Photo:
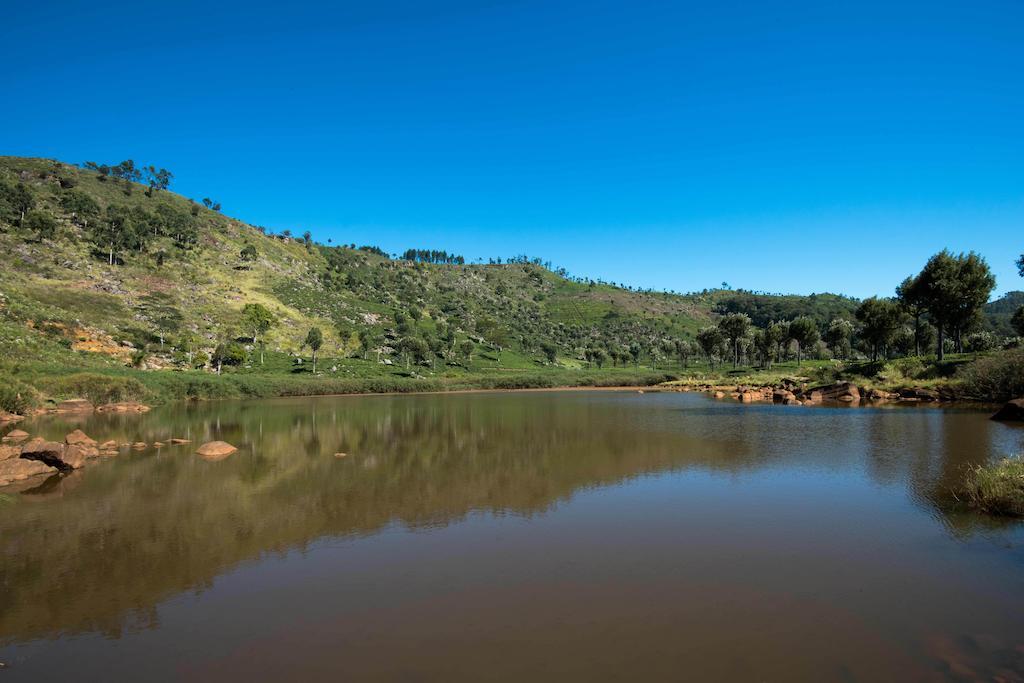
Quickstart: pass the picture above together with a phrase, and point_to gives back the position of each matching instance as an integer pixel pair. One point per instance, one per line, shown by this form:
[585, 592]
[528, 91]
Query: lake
[571, 536]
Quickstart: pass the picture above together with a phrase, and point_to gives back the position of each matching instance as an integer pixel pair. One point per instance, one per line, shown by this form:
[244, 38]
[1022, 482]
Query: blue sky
[789, 146]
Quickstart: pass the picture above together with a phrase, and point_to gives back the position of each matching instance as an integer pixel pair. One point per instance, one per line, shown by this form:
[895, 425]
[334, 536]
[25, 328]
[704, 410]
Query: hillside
[103, 272]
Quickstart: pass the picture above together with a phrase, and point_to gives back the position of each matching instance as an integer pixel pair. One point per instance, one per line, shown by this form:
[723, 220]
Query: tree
[81, 206]
[804, 331]
[954, 289]
[368, 340]
[466, 348]
[777, 333]
[314, 340]
[413, 348]
[159, 179]
[20, 200]
[634, 351]
[838, 336]
[911, 296]
[765, 347]
[734, 326]
[550, 351]
[259, 319]
[228, 353]
[42, 224]
[684, 349]
[1018, 320]
[710, 340]
[115, 232]
[879, 319]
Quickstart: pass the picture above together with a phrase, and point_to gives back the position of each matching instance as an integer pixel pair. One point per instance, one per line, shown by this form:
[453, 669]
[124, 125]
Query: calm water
[534, 536]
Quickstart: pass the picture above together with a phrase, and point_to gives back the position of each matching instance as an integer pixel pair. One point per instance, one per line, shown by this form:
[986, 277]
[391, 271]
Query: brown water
[539, 536]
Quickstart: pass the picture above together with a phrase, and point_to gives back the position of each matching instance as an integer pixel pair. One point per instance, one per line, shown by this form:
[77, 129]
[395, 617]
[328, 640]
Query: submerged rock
[17, 469]
[1012, 411]
[123, 407]
[15, 435]
[216, 450]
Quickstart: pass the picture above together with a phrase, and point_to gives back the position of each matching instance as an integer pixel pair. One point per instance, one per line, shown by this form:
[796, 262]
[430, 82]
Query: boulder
[177, 442]
[15, 435]
[79, 437]
[719, 394]
[341, 455]
[108, 445]
[879, 395]
[216, 450]
[846, 392]
[9, 417]
[7, 452]
[139, 445]
[1011, 411]
[17, 469]
[793, 402]
[782, 395]
[919, 394]
[54, 454]
[75, 405]
[75, 455]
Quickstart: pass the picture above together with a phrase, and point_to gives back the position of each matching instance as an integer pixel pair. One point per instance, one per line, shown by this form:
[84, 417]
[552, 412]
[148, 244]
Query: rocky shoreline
[794, 393]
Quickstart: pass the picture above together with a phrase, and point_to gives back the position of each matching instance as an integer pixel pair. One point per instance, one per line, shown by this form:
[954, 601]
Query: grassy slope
[58, 295]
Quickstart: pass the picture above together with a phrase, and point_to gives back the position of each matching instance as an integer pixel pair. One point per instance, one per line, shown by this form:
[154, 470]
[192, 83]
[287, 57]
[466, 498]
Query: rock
[1011, 411]
[341, 455]
[793, 402]
[719, 394]
[158, 444]
[7, 452]
[840, 391]
[782, 395]
[78, 437]
[76, 454]
[177, 442]
[919, 394]
[139, 445]
[9, 417]
[216, 450]
[15, 435]
[55, 454]
[17, 469]
[108, 446]
[123, 407]
[75, 405]
[748, 397]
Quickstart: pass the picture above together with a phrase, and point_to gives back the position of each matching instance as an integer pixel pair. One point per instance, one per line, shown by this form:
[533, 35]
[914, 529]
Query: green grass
[997, 488]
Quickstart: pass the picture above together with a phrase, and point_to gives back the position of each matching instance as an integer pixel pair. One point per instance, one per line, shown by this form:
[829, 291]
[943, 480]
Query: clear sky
[779, 146]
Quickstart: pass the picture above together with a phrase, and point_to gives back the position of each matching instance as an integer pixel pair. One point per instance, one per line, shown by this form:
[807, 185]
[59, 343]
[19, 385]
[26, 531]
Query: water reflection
[97, 551]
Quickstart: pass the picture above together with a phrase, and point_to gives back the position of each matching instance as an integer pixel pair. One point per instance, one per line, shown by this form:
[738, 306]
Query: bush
[17, 397]
[998, 377]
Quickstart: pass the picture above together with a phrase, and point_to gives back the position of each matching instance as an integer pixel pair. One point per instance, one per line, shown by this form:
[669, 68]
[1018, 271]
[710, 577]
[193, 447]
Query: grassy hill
[174, 289]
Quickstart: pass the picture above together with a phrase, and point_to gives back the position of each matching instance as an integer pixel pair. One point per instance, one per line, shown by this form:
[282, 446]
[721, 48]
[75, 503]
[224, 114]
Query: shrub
[997, 488]
[998, 377]
[17, 397]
